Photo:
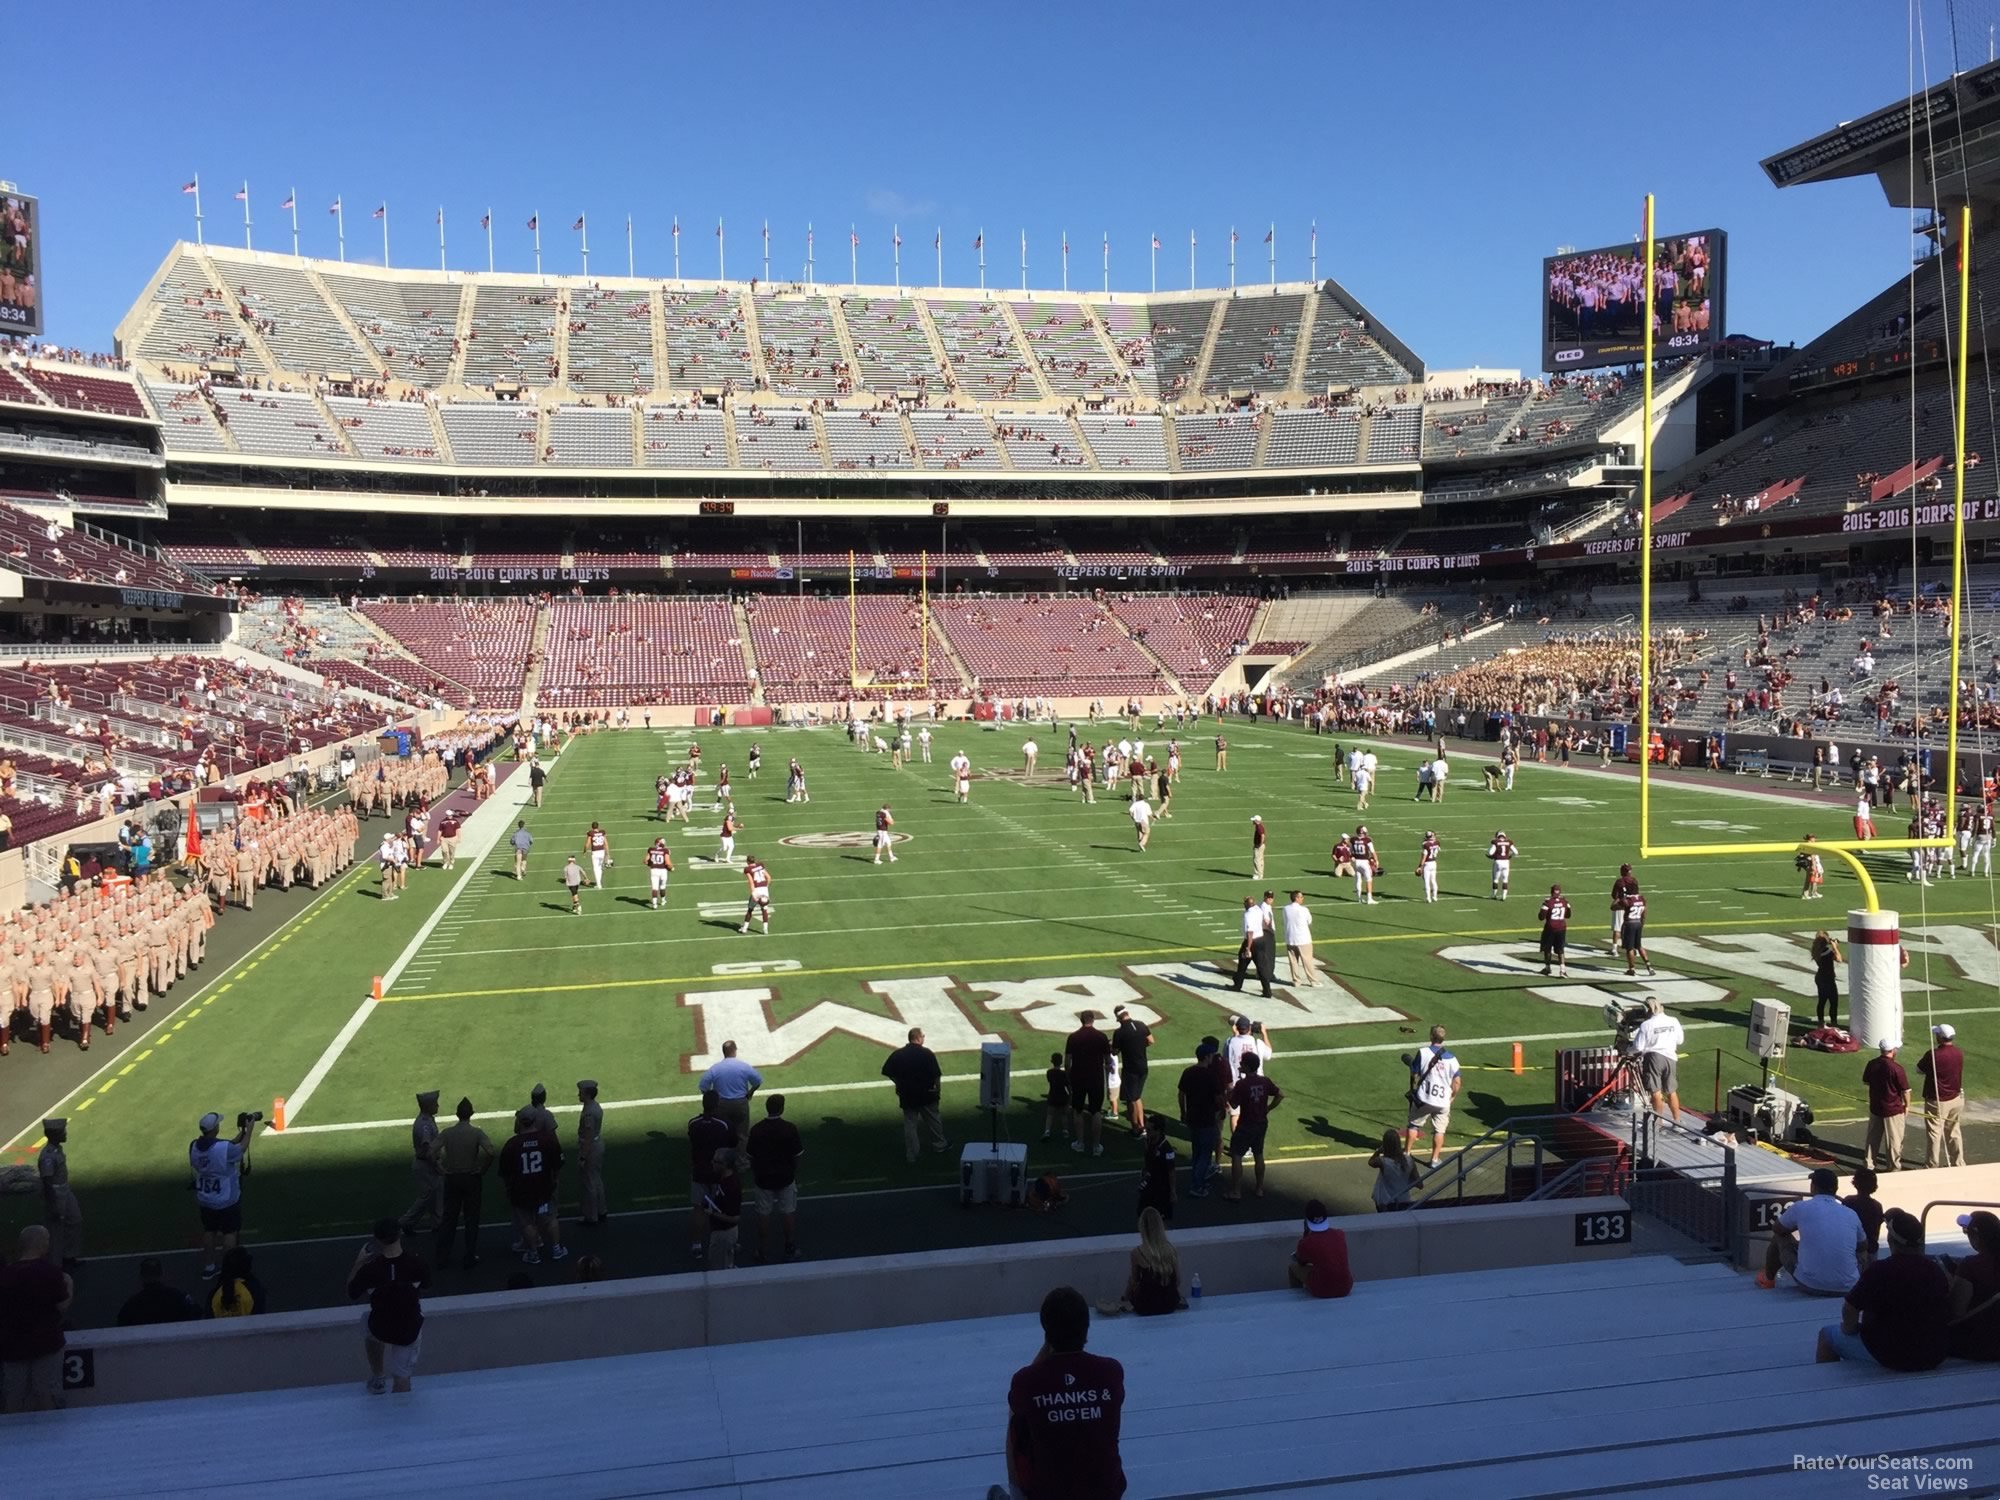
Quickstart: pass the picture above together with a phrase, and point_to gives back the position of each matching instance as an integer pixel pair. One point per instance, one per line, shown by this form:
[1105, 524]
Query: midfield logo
[855, 840]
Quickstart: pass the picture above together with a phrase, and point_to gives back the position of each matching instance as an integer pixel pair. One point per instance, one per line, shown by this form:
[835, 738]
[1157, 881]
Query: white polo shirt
[1253, 921]
[1298, 924]
[1142, 812]
[1661, 1035]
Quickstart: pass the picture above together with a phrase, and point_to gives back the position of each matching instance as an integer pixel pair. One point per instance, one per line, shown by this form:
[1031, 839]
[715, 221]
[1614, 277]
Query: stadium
[921, 676]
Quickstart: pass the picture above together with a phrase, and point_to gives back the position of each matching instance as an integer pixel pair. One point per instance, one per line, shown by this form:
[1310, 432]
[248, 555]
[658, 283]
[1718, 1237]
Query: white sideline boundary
[475, 856]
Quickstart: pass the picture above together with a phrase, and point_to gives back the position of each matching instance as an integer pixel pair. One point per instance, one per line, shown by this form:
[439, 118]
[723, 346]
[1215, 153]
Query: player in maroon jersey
[659, 865]
[1633, 936]
[1622, 889]
[884, 841]
[1555, 932]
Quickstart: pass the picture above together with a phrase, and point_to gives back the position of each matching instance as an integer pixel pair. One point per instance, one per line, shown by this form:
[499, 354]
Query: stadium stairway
[1021, 341]
[1159, 663]
[1302, 350]
[844, 336]
[744, 632]
[377, 366]
[455, 372]
[1681, 1380]
[1198, 377]
[538, 653]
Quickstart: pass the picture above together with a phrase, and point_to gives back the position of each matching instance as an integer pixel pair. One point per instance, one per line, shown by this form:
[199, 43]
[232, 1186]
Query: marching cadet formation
[313, 847]
[94, 955]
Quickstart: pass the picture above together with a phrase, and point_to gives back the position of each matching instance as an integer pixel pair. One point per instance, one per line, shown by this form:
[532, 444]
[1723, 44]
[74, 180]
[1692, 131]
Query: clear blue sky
[1443, 149]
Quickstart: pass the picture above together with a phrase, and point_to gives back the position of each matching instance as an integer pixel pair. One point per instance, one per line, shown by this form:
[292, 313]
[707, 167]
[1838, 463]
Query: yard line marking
[295, 1102]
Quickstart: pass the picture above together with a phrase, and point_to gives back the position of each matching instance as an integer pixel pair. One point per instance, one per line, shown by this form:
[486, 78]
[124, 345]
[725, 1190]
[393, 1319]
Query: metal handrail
[1503, 1137]
[1923, 1218]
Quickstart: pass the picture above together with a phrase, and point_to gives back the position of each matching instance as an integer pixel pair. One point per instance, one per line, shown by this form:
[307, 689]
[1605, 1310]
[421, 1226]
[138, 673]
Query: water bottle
[1194, 1293]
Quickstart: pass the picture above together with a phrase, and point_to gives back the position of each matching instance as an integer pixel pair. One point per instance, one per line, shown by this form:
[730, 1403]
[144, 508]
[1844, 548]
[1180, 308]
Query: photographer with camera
[218, 1168]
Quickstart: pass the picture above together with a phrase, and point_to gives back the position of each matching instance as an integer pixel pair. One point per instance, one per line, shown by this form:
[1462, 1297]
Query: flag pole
[809, 253]
[1065, 260]
[1190, 260]
[1314, 263]
[1107, 263]
[721, 252]
[246, 213]
[896, 253]
[535, 223]
[340, 227]
[488, 222]
[385, 234]
[1271, 239]
[937, 244]
[767, 251]
[293, 200]
[982, 259]
[583, 225]
[1024, 260]
[1232, 257]
[440, 236]
[1155, 279]
[630, 263]
[197, 210]
[853, 256]
[677, 247]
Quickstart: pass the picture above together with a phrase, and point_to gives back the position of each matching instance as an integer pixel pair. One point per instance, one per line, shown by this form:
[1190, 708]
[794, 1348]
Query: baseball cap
[1256, 817]
[1316, 1217]
[1943, 1031]
[210, 1123]
[1986, 1222]
[1887, 1044]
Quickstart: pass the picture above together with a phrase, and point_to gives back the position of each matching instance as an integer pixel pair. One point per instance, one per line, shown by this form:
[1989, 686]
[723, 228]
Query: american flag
[381, 212]
[333, 207]
[291, 201]
[1267, 236]
[579, 222]
[534, 221]
[1156, 242]
[979, 242]
[241, 195]
[486, 221]
[191, 187]
[853, 238]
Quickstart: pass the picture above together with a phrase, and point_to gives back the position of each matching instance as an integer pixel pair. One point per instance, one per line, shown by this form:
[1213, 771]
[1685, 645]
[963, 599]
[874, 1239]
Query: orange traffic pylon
[278, 1113]
[1517, 1059]
[376, 993]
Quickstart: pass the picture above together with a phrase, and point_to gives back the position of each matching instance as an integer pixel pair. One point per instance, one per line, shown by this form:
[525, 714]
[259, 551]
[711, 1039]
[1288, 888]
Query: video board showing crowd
[20, 265]
[1594, 301]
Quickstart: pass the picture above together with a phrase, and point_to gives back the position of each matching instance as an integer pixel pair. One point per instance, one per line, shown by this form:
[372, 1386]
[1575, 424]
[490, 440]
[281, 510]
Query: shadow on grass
[1325, 1129]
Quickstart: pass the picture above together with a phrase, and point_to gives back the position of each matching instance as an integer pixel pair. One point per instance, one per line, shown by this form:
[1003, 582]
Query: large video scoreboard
[20, 264]
[1594, 301]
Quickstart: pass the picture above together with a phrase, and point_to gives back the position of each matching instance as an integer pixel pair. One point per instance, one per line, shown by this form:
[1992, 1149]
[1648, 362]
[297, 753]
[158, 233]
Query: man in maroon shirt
[1888, 1103]
[530, 1164]
[1088, 1053]
[1899, 1313]
[1943, 1069]
[392, 1280]
[708, 1133]
[1064, 1410]
[1252, 1098]
[34, 1294]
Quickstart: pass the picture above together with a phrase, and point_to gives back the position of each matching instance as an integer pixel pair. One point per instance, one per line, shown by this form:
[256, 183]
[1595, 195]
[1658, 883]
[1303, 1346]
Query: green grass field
[1000, 919]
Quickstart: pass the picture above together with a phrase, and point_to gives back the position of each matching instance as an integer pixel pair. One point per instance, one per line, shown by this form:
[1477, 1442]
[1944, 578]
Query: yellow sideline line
[1443, 939]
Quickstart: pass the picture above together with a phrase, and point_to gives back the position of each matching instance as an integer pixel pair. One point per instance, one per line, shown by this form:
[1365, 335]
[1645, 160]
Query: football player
[1633, 937]
[756, 763]
[884, 844]
[1810, 866]
[659, 865]
[599, 843]
[1555, 932]
[1501, 851]
[727, 850]
[758, 879]
[1982, 839]
[1366, 866]
[1343, 857]
[961, 775]
[1622, 889]
[1427, 865]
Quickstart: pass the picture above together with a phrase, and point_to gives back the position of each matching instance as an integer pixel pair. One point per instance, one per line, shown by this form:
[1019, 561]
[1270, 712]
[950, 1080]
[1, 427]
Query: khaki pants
[737, 1113]
[1885, 1143]
[916, 1122]
[1299, 960]
[426, 1210]
[590, 1182]
[1944, 1135]
[1257, 863]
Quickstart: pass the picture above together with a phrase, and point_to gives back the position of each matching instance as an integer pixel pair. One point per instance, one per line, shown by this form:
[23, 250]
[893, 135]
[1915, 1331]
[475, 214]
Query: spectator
[722, 1203]
[1157, 1188]
[1943, 1070]
[1202, 1086]
[1088, 1053]
[1252, 1099]
[708, 1136]
[1056, 1117]
[530, 1164]
[1130, 1039]
[393, 1280]
[237, 1292]
[1975, 1290]
[1435, 1080]
[733, 1081]
[1396, 1173]
[1888, 1105]
[35, 1292]
[1867, 1207]
[1819, 1240]
[1319, 1263]
[464, 1152]
[1153, 1282]
[155, 1301]
[774, 1149]
[1064, 1410]
[1899, 1313]
[914, 1070]
[590, 1267]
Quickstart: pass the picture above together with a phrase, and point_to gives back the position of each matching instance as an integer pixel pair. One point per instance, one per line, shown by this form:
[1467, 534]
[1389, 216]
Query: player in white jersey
[726, 848]
[1427, 865]
[758, 879]
[1173, 760]
[1501, 851]
[756, 762]
[599, 844]
[961, 775]
[659, 865]
[1982, 841]
[1366, 865]
[924, 743]
[795, 782]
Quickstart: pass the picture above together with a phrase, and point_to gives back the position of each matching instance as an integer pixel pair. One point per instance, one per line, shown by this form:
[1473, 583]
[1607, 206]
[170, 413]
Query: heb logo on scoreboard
[1568, 356]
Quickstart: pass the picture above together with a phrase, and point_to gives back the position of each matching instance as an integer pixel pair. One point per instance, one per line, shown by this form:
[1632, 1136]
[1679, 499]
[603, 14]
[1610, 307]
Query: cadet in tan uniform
[79, 991]
[464, 1152]
[104, 962]
[590, 1155]
[127, 945]
[16, 975]
[426, 1210]
[59, 1206]
[246, 872]
[41, 994]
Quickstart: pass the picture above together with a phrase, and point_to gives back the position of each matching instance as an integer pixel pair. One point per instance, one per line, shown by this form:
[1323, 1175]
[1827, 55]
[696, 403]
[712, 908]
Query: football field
[1001, 919]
